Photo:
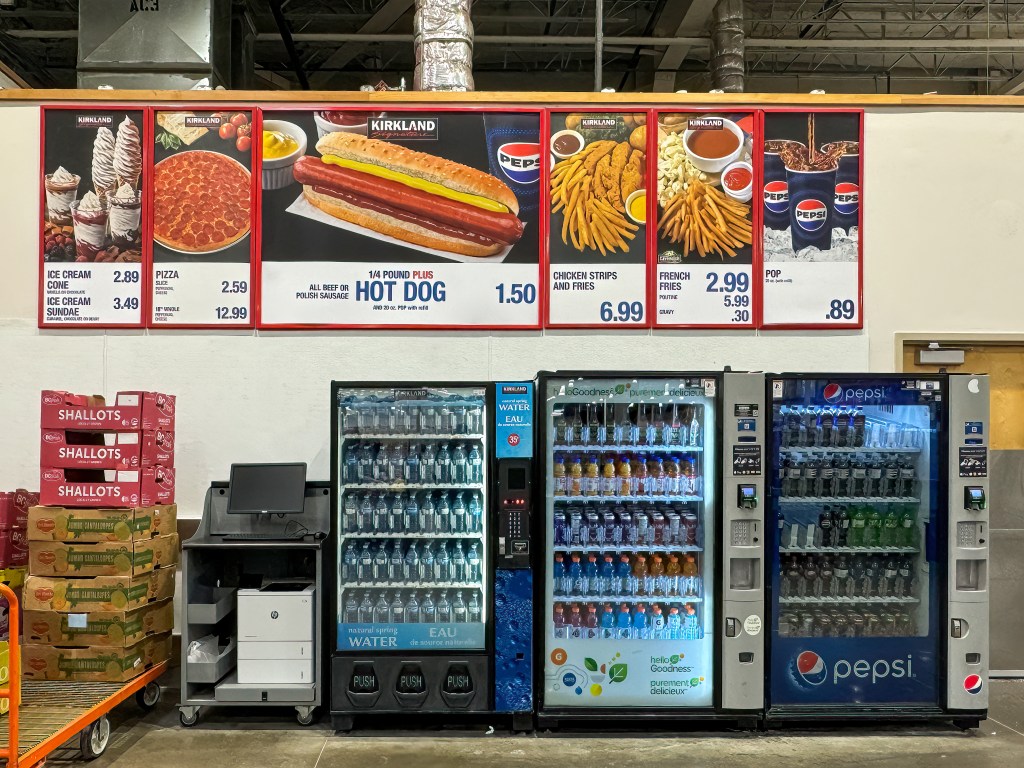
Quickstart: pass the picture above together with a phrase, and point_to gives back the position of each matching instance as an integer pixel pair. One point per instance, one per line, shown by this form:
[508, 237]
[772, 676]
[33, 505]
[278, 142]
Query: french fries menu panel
[597, 227]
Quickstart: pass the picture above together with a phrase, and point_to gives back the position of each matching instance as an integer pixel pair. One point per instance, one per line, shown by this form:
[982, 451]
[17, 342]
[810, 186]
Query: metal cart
[46, 714]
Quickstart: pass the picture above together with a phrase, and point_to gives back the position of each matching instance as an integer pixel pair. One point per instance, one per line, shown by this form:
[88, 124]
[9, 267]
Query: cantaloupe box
[116, 629]
[130, 410]
[106, 450]
[68, 524]
[99, 664]
[101, 593]
[142, 487]
[102, 558]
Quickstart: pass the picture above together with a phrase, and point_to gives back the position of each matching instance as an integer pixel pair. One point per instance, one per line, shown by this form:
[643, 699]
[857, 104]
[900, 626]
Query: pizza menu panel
[504, 217]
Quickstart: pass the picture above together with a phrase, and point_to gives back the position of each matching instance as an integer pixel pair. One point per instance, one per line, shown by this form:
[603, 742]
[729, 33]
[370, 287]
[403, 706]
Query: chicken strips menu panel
[91, 224]
[812, 219]
[597, 238]
[400, 218]
[203, 202]
[704, 273]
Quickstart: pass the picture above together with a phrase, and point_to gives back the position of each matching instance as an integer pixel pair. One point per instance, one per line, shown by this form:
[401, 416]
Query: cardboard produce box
[130, 410]
[102, 593]
[68, 524]
[94, 663]
[68, 449]
[14, 506]
[117, 629]
[102, 558]
[142, 487]
[13, 548]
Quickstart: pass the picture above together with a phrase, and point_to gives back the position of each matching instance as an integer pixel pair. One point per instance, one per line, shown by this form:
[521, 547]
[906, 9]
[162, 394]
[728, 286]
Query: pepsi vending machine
[433, 600]
[878, 565]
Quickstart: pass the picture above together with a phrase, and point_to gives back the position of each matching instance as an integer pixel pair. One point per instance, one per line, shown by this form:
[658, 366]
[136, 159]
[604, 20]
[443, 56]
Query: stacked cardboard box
[14, 506]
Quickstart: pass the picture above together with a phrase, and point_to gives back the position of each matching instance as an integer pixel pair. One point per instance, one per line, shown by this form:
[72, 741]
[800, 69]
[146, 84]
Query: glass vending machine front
[412, 527]
[630, 488]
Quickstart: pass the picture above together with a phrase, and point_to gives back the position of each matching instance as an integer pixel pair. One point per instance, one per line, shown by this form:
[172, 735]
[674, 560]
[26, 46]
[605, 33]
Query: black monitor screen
[517, 479]
[274, 489]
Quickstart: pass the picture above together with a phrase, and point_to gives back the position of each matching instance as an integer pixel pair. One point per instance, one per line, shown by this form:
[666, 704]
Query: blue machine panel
[513, 420]
[513, 640]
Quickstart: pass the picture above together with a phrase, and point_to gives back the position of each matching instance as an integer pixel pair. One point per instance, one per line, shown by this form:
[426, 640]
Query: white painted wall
[941, 219]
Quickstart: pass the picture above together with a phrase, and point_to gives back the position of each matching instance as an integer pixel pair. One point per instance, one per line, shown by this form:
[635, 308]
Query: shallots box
[95, 663]
[66, 524]
[14, 506]
[141, 487]
[102, 593]
[103, 628]
[69, 449]
[129, 411]
[13, 548]
[102, 558]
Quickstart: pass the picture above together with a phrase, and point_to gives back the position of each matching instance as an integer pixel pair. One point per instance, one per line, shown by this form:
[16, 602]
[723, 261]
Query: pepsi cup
[513, 151]
[776, 188]
[811, 214]
[847, 198]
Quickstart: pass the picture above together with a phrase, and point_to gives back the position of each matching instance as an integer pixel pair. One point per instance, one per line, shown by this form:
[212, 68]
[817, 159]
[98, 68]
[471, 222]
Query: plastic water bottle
[657, 623]
[411, 520]
[476, 465]
[350, 564]
[381, 611]
[412, 563]
[364, 565]
[691, 629]
[442, 564]
[695, 434]
[351, 609]
[474, 516]
[365, 520]
[641, 628]
[397, 611]
[459, 515]
[558, 575]
[366, 610]
[396, 518]
[475, 610]
[380, 513]
[412, 610]
[608, 622]
[428, 515]
[623, 576]
[380, 564]
[428, 611]
[606, 576]
[473, 564]
[428, 464]
[412, 464]
[459, 609]
[624, 623]
[396, 566]
[444, 608]
[674, 625]
[427, 563]
[350, 518]
[351, 465]
[444, 515]
[590, 578]
[381, 466]
[396, 464]
[475, 420]
[458, 565]
[460, 465]
[574, 577]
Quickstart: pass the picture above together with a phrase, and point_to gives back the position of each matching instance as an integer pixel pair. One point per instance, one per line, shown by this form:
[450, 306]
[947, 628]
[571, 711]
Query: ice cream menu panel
[91, 223]
[203, 201]
[705, 244]
[400, 218]
[597, 240]
[812, 216]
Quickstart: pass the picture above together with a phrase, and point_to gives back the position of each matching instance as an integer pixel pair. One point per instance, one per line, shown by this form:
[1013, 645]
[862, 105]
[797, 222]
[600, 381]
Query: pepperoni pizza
[201, 202]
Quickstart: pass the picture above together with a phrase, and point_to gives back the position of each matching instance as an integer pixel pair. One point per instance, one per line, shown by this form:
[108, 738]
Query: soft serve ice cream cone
[128, 154]
[104, 180]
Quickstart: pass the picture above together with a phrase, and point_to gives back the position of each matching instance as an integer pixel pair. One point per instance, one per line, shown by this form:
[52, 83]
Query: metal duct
[727, 46]
[443, 44]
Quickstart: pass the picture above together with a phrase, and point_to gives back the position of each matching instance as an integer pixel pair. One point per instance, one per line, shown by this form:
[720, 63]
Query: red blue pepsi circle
[832, 393]
[811, 667]
[776, 196]
[973, 684]
[520, 161]
[847, 198]
[811, 214]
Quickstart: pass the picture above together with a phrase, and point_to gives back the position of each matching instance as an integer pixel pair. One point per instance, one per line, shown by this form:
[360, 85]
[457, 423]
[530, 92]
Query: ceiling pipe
[727, 46]
[443, 45]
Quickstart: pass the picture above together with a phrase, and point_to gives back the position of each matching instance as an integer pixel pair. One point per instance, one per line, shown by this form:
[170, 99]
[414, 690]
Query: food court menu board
[400, 218]
[812, 219]
[92, 237]
[704, 273]
[203, 203]
[597, 234]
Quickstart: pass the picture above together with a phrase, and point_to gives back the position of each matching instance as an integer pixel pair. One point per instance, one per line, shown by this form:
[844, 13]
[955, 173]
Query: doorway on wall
[1003, 361]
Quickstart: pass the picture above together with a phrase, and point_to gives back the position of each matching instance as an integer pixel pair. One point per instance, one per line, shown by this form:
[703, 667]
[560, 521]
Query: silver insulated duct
[443, 43]
[146, 44]
[727, 46]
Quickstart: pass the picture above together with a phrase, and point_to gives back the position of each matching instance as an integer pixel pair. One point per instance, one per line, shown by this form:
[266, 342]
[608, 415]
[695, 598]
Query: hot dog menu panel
[91, 224]
[400, 218]
[597, 240]
[202, 219]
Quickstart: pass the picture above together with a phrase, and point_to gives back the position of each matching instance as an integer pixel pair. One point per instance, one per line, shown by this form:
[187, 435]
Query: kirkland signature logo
[407, 129]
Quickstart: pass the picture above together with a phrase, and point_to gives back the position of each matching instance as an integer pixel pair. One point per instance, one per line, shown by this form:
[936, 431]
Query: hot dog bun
[403, 230]
[456, 176]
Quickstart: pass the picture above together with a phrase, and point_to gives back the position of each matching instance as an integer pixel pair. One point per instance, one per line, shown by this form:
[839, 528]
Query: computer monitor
[267, 489]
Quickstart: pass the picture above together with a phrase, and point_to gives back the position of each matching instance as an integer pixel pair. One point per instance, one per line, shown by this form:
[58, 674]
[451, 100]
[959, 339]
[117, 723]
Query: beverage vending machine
[878, 571]
[433, 601]
[636, 617]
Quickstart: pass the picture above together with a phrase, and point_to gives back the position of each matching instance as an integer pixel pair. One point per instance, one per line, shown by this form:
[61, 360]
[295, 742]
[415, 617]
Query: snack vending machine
[878, 569]
[636, 619]
[433, 601]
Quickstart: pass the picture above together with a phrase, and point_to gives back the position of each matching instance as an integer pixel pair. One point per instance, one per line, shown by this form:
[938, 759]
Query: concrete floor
[223, 740]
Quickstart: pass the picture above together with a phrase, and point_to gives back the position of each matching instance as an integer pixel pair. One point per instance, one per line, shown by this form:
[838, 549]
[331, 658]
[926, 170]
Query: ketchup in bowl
[737, 179]
[347, 119]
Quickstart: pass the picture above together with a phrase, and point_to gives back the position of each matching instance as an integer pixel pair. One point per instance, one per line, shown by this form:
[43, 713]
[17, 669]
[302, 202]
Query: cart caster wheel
[188, 720]
[95, 738]
[148, 697]
[305, 719]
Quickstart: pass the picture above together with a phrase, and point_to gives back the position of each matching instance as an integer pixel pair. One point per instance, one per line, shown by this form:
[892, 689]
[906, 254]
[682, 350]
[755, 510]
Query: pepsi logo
[833, 393]
[520, 161]
[811, 668]
[776, 196]
[973, 684]
[811, 215]
[847, 198]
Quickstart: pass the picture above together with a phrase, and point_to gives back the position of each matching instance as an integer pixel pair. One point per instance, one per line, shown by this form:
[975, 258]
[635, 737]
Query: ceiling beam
[1012, 86]
[381, 21]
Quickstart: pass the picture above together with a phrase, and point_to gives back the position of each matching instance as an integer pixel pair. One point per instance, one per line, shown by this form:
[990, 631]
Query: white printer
[275, 633]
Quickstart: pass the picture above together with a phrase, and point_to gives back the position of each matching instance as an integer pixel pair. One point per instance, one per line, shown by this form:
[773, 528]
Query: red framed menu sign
[405, 218]
[813, 223]
[706, 251]
[92, 232]
[597, 206]
[204, 203]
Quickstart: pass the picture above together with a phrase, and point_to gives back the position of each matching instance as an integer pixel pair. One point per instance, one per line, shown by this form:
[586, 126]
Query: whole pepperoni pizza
[201, 202]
